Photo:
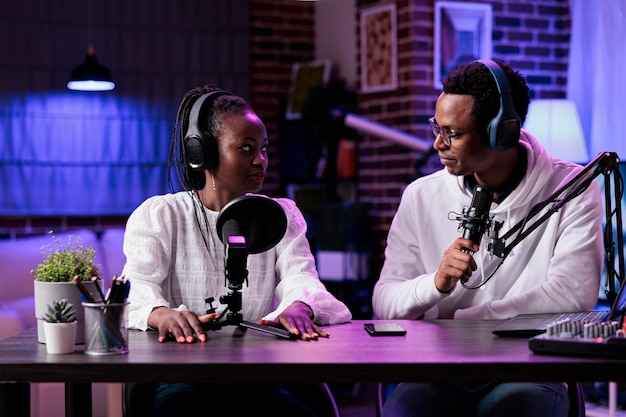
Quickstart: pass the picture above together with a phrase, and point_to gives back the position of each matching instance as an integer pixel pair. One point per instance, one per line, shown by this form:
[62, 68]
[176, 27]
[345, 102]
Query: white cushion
[10, 323]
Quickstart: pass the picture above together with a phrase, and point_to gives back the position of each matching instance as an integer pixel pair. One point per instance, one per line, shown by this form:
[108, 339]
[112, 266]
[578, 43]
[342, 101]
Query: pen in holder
[106, 331]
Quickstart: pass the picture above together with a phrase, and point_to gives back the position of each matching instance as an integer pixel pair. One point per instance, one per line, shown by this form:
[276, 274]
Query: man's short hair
[475, 79]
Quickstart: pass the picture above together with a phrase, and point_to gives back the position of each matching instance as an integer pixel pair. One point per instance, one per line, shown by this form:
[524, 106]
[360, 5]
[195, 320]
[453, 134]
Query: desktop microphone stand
[235, 260]
[603, 164]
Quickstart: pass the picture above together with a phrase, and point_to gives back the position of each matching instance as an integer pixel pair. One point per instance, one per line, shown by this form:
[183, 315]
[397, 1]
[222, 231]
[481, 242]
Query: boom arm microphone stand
[605, 164]
[248, 224]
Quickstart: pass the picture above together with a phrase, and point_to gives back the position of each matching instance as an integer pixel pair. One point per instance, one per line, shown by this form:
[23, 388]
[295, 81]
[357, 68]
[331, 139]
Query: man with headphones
[432, 271]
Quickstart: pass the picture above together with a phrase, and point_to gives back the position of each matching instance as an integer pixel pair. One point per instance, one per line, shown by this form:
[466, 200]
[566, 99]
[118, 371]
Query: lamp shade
[91, 75]
[556, 125]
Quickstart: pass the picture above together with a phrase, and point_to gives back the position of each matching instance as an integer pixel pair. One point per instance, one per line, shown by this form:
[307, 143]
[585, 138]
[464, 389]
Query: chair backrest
[318, 397]
[576, 399]
[574, 391]
[382, 393]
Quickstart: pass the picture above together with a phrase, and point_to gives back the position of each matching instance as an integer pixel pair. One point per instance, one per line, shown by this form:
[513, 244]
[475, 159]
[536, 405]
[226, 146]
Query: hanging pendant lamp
[90, 75]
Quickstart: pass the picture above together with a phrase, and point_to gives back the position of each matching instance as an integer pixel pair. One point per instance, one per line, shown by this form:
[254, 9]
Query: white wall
[335, 37]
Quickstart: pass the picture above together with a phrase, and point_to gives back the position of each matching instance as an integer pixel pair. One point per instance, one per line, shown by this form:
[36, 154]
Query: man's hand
[455, 265]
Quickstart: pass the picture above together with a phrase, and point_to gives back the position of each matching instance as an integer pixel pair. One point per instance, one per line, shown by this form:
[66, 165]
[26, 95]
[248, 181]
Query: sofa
[20, 255]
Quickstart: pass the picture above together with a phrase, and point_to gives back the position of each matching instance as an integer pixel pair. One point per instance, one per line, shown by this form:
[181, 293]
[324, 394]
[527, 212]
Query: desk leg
[15, 399]
[77, 400]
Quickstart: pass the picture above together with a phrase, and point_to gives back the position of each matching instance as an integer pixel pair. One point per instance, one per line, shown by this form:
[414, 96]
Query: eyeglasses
[445, 135]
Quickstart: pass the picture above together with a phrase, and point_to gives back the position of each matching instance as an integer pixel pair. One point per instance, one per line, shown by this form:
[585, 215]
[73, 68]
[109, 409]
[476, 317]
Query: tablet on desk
[529, 325]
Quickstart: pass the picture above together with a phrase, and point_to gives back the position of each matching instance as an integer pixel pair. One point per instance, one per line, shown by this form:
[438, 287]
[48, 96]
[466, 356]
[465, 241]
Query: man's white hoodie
[556, 268]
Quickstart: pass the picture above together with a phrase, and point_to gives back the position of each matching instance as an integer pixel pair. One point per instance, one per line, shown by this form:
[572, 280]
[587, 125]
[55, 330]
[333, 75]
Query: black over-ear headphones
[504, 128]
[200, 146]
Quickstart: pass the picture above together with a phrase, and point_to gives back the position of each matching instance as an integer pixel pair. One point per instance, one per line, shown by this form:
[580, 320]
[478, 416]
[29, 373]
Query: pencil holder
[106, 331]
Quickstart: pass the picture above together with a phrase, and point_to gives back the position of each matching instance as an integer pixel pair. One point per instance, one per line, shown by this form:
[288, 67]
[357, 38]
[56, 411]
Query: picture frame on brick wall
[462, 35]
[379, 67]
[304, 76]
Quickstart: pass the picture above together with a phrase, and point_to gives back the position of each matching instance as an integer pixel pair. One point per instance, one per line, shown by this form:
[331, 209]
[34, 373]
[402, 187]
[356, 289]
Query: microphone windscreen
[261, 221]
[475, 220]
[230, 228]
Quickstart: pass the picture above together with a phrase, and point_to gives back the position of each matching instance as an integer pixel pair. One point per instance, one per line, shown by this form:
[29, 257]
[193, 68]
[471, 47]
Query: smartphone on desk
[384, 329]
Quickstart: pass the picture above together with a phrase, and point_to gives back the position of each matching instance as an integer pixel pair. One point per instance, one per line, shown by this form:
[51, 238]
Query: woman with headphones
[175, 259]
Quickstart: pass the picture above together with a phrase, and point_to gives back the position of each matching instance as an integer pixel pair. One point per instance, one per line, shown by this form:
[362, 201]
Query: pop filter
[261, 221]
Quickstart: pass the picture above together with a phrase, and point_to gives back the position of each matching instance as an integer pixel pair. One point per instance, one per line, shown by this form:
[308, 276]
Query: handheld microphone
[475, 220]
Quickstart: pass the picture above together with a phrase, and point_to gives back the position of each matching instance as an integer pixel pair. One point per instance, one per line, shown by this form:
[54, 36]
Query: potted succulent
[54, 280]
[60, 327]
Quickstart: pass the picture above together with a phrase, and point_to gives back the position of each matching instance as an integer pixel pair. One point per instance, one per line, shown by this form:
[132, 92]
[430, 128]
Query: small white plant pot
[60, 337]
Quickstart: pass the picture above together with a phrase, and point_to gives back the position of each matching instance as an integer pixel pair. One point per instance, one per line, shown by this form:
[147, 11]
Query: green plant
[68, 260]
[60, 312]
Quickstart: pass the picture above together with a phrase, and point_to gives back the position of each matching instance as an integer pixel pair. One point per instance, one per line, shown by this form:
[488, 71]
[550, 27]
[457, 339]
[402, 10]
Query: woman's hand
[182, 325]
[298, 320]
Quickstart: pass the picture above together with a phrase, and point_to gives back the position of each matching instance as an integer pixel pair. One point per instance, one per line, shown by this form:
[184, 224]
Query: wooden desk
[431, 351]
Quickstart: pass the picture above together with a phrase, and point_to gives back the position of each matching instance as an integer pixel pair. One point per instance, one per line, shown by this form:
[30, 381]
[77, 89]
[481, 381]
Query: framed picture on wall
[462, 34]
[379, 70]
[305, 76]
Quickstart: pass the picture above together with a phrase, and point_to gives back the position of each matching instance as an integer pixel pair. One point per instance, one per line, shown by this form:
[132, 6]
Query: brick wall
[282, 33]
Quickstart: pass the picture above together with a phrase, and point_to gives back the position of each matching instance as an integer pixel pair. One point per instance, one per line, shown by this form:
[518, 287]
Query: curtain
[596, 72]
[595, 83]
[74, 153]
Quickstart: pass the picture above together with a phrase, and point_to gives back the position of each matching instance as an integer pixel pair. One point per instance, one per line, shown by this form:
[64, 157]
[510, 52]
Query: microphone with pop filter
[259, 219]
[247, 224]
